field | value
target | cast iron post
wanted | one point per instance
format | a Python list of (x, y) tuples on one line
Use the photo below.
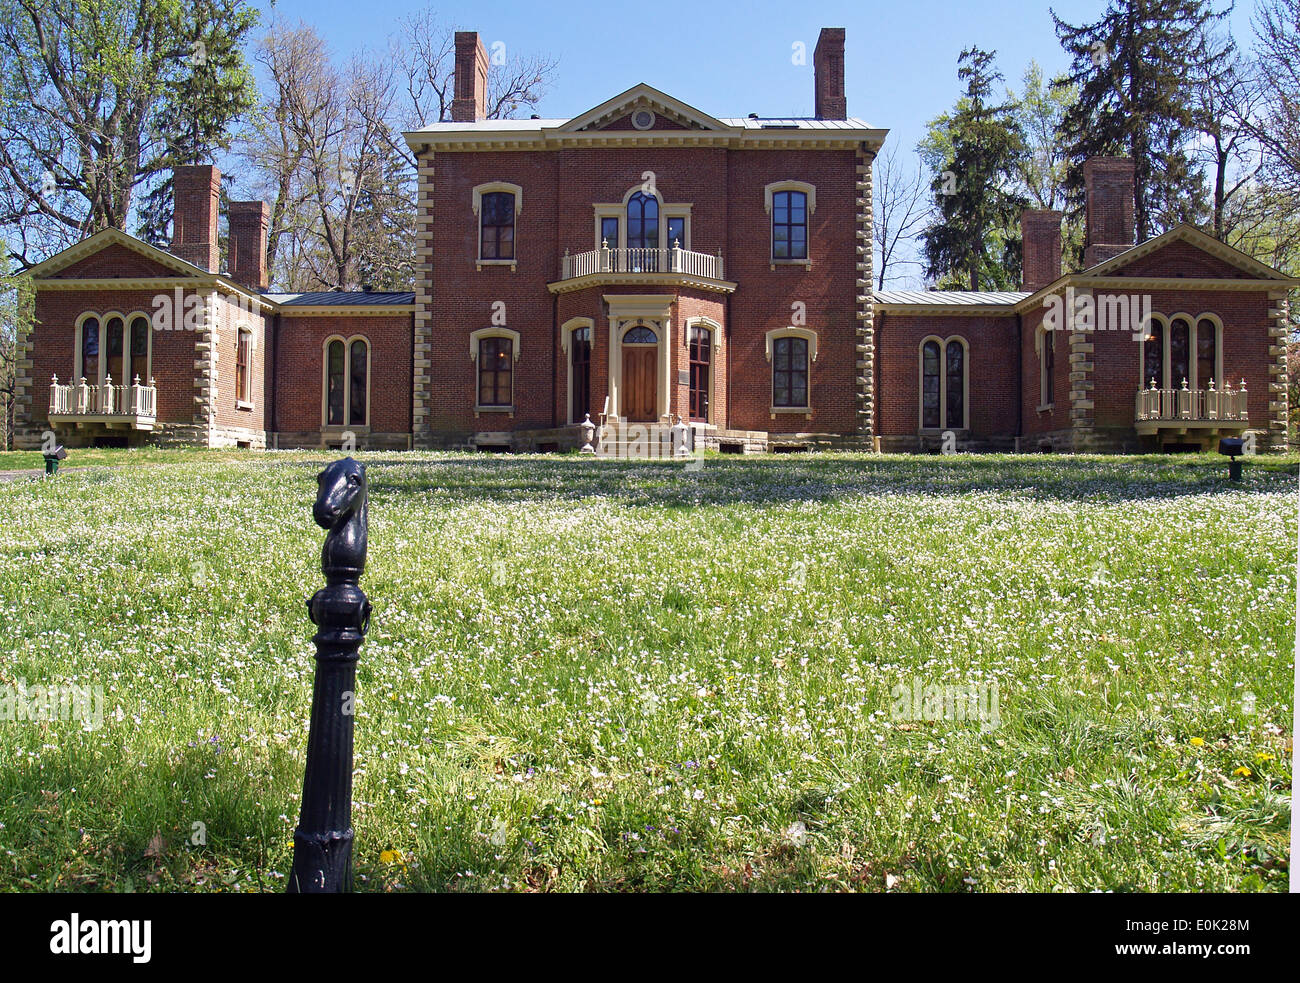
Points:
[(322, 844)]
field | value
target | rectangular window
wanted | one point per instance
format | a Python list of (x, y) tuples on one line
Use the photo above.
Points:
[(497, 235), (699, 377), (1049, 369), (241, 368), (790, 372), (495, 371), (790, 225), (580, 354), (609, 232), (676, 231)]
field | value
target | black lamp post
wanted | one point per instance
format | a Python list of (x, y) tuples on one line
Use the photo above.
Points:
[(1231, 448), (322, 844)]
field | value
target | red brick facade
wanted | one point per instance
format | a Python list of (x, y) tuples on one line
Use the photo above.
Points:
[(514, 220)]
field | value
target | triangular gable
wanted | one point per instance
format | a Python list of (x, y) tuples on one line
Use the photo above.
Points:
[(616, 113), (1185, 251), (112, 254)]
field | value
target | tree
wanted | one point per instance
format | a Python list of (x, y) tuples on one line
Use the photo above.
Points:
[(1224, 109), (901, 211), (1136, 70), (975, 154), (1277, 50), (15, 319), (99, 99)]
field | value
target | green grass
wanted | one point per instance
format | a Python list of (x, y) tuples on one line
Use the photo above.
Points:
[(600, 676)]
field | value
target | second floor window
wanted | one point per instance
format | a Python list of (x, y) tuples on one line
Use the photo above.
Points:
[(790, 372), (642, 222), (497, 231), (495, 371), (789, 225)]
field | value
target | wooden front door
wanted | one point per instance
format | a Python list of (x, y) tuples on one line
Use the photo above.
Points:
[(640, 394)]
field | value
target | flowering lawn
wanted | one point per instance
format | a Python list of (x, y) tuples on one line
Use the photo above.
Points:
[(589, 675)]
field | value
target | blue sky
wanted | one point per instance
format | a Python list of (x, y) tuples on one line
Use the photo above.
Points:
[(732, 59)]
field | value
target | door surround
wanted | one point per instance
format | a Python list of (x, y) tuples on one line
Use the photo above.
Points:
[(626, 311)]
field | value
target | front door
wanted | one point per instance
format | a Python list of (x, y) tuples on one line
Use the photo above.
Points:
[(640, 395)]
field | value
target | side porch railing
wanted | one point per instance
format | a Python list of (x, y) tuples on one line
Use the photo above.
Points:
[(1192, 405), (81, 399)]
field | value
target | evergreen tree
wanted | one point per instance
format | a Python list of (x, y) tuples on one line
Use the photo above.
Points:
[(975, 152), (1137, 70)]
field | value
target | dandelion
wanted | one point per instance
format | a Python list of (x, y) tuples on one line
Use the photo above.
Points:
[(1243, 772), (1197, 742)]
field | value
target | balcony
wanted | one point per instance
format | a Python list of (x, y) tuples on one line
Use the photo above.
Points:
[(674, 264), (132, 407), (1183, 410)]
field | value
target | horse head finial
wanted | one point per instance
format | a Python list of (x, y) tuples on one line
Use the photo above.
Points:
[(341, 507)]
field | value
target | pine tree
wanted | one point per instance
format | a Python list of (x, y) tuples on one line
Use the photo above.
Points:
[(974, 153), (1137, 69)]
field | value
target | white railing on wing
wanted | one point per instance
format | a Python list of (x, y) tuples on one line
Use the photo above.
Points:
[(1200, 405), (608, 259), (107, 400)]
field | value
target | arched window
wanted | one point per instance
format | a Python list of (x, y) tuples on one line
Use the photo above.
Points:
[(497, 228), (347, 382), (115, 349), (580, 367), (1207, 355), (642, 221), (640, 335), (140, 350), (789, 225), (931, 385), (943, 384), (89, 367), (700, 346), (1046, 367), (1153, 355), (955, 397), (1180, 343)]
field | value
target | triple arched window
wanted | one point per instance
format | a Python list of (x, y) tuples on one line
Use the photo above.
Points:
[(1180, 349), (113, 345)]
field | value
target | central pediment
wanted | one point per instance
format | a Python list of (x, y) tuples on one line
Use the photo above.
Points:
[(643, 107)]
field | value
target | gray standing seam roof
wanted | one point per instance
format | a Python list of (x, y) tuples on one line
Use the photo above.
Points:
[(955, 298), (343, 298)]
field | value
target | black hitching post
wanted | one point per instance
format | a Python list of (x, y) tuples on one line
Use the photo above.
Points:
[(322, 844)]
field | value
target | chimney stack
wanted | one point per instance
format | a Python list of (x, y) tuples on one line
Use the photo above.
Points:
[(1040, 233), (1108, 203), (828, 75), (470, 101), (196, 190), (248, 224)]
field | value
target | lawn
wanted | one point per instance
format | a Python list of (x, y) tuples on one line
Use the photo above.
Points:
[(588, 675)]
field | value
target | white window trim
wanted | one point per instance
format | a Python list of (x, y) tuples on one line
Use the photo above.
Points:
[(497, 331), (808, 335), (667, 210), (566, 339), (244, 400), (768, 191), (713, 326), (1040, 349), (626, 311), (487, 188), (78, 365), (347, 383), (943, 384)]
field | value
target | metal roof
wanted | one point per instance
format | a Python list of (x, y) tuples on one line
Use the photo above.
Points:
[(342, 298), (957, 298), (798, 123), (740, 123)]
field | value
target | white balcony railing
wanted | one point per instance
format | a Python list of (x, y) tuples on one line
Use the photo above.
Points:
[(1204, 406), (607, 259), (82, 400)]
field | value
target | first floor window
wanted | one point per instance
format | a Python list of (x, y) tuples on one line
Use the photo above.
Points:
[(140, 350), (700, 346), (1047, 386), (495, 371), (243, 388), (580, 361), (790, 372), (90, 350), (943, 384), (347, 383), (1153, 358), (1206, 345), (1180, 369)]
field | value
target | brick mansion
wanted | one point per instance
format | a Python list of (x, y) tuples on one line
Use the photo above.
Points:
[(641, 262)]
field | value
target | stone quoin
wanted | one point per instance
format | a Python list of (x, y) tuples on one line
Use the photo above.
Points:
[(643, 261)]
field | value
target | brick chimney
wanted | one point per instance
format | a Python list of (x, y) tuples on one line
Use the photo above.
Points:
[(1108, 189), (470, 102), (248, 223), (1040, 232), (828, 75), (196, 190)]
